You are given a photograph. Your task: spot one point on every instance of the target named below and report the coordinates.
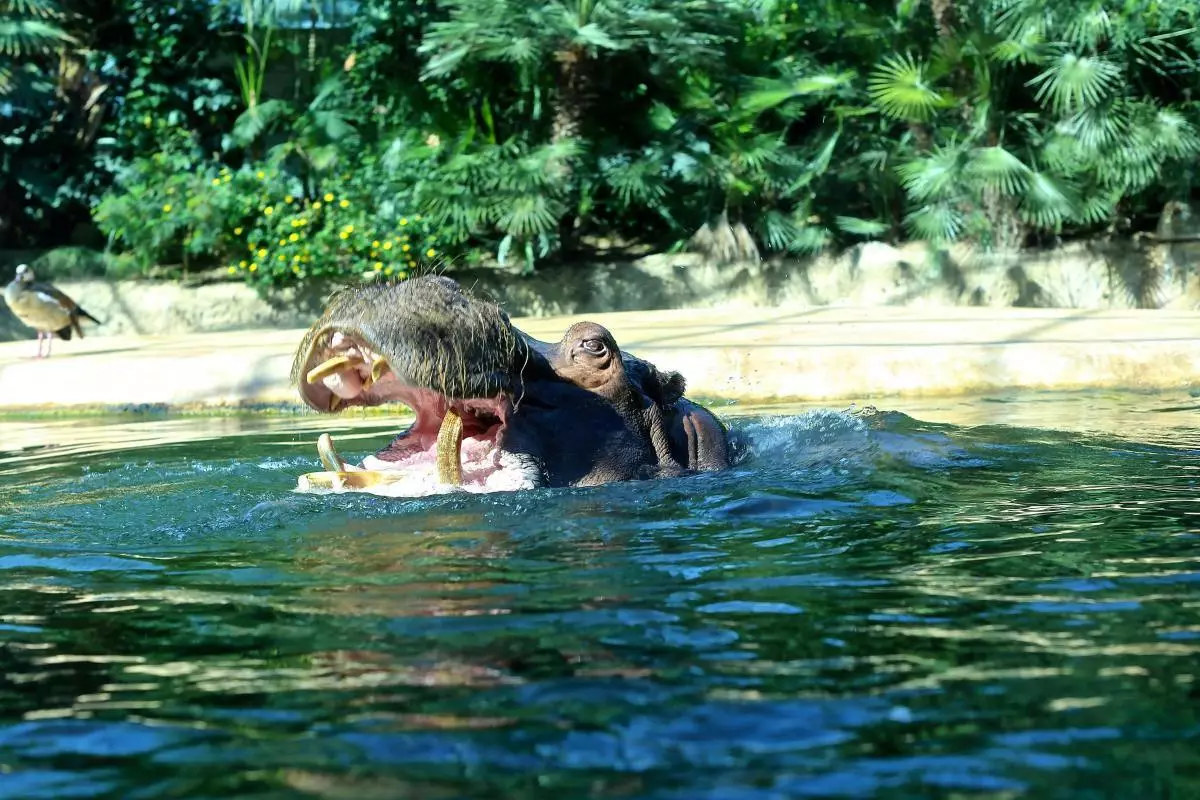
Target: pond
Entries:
(1002, 603)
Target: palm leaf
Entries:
(529, 216)
(901, 90)
(253, 122)
(770, 94)
(20, 37)
(998, 169)
(862, 227)
(937, 223)
(933, 176)
(1048, 201)
(1074, 82)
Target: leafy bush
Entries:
(340, 235)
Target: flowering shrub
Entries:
(261, 224)
(339, 234)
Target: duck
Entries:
(44, 308)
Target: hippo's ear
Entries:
(673, 386)
(664, 388)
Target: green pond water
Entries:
(1003, 603)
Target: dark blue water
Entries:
(866, 607)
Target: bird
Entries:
(44, 308)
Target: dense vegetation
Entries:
(288, 140)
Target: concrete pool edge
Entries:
(784, 355)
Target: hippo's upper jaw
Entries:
(495, 409)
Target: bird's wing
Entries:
(48, 294)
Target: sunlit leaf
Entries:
(900, 88)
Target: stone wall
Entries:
(1076, 275)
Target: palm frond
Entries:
(772, 93)
(934, 176)
(936, 223)
(998, 169)
(1074, 82)
(901, 89)
(862, 227)
(1048, 201)
(529, 216)
(22, 37)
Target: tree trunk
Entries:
(723, 242)
(1007, 229)
(575, 97)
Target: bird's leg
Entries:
(39, 341)
(49, 341)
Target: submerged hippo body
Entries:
(495, 408)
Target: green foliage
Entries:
(340, 235)
(524, 127)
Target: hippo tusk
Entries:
(328, 453)
(379, 366)
(335, 479)
(449, 449)
(329, 367)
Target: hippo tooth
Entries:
(449, 449)
(328, 454)
(330, 366)
(363, 479)
(334, 402)
(379, 365)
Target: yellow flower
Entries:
(253, 267)
(303, 221)
(406, 248)
(317, 206)
(378, 266)
(232, 270)
(328, 197)
(388, 271)
(216, 181)
(269, 210)
(344, 235)
(374, 254)
(281, 257)
(228, 178)
(167, 208)
(430, 253)
(282, 242)
(260, 174)
(242, 264)
(293, 237)
(237, 231)
(349, 229)
(288, 199)
(295, 258)
(262, 253)
(404, 220)
(387, 245)
(375, 244)
(295, 223)
(344, 204)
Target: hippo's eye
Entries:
(594, 346)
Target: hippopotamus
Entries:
(495, 408)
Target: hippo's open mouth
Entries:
(454, 442)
